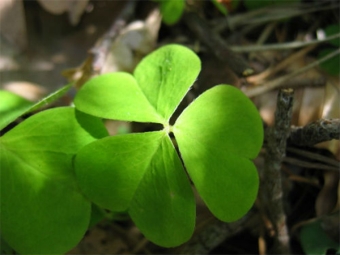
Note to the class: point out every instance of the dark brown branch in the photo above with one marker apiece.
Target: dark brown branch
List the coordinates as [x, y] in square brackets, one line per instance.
[208, 37]
[316, 132]
[272, 192]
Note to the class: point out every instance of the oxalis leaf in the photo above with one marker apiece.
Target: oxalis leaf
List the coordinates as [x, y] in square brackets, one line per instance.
[143, 174]
[42, 209]
[13, 113]
[115, 96]
[171, 10]
[218, 135]
[160, 82]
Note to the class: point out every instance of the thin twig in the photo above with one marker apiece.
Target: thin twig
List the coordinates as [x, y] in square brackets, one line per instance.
[316, 132]
[272, 192]
[312, 165]
[281, 46]
[280, 66]
[313, 156]
[205, 34]
[279, 82]
[267, 31]
[268, 14]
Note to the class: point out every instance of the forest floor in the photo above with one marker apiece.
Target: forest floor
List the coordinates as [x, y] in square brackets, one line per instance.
[261, 49]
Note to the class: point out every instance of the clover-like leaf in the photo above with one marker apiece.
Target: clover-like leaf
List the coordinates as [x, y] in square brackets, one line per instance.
[140, 173]
[42, 209]
[11, 106]
[314, 239]
[162, 80]
[163, 206]
[171, 10]
[116, 96]
[217, 136]
[10, 112]
[110, 170]
[166, 75]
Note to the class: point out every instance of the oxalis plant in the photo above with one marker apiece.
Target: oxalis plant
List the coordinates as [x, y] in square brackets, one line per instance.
[55, 164]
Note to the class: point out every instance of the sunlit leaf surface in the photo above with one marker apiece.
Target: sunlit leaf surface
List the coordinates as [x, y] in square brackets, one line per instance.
[42, 210]
[115, 96]
[165, 77]
[217, 136]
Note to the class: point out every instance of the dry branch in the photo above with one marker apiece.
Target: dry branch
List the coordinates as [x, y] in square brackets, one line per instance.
[316, 132]
[272, 193]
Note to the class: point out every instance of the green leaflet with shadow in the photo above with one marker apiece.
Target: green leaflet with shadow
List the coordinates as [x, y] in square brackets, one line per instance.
[42, 209]
[219, 164]
[13, 106]
[171, 10]
[315, 240]
[140, 173]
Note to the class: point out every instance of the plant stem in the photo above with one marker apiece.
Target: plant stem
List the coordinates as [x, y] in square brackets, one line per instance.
[272, 193]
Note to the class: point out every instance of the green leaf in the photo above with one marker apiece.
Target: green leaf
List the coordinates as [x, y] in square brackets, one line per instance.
[314, 240]
[171, 10]
[163, 206]
[331, 66]
[10, 117]
[109, 170]
[97, 215]
[42, 210]
[166, 75]
[333, 30]
[5, 248]
[11, 106]
[225, 130]
[140, 173]
[220, 7]
[115, 96]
